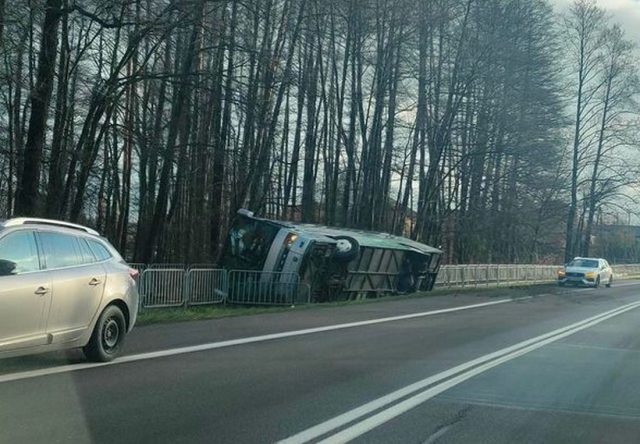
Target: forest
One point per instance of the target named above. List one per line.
(502, 131)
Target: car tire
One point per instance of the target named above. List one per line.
(561, 284)
(597, 284)
(610, 282)
(108, 336)
(347, 249)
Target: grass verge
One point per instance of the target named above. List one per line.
(181, 314)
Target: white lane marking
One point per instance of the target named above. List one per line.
(396, 410)
(615, 285)
(10, 377)
(626, 284)
(357, 413)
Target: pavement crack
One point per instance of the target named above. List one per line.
(445, 427)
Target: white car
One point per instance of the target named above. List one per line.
(587, 271)
(63, 286)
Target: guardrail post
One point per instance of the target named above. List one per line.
(225, 287)
(186, 291)
(141, 291)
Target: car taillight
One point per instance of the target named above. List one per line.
(135, 274)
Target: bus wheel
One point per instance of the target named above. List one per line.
(347, 248)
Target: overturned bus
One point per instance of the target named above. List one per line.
(335, 263)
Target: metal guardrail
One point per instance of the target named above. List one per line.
(625, 270)
(177, 285)
(206, 286)
(494, 274)
(266, 288)
(172, 266)
(476, 275)
(168, 266)
(160, 287)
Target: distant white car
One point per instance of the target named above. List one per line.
(587, 271)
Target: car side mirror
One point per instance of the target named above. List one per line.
(7, 268)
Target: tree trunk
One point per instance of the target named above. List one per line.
(27, 196)
(60, 123)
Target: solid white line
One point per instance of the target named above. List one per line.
(402, 407)
(487, 361)
(626, 284)
(616, 284)
(242, 341)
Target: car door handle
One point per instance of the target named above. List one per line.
(93, 282)
(41, 291)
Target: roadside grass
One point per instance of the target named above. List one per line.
(181, 314)
(203, 312)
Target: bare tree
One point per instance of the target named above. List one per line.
(444, 120)
(617, 105)
(583, 30)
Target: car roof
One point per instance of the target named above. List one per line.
(48, 223)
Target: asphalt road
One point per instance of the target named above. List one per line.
(559, 366)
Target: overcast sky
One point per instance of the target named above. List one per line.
(625, 12)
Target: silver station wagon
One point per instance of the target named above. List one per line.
(63, 286)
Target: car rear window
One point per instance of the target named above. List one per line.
(100, 251)
(87, 255)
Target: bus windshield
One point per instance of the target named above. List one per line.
(248, 244)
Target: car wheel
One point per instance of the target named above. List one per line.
(597, 284)
(108, 336)
(610, 282)
(561, 284)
